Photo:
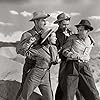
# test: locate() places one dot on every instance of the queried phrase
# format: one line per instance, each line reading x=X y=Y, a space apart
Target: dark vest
x=61 y=39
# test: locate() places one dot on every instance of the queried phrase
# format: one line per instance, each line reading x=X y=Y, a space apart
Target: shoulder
x=29 y=33
x=25 y=35
x=73 y=37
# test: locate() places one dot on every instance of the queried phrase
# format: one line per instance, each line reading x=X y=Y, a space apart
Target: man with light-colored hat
x=29 y=39
x=45 y=55
x=39 y=15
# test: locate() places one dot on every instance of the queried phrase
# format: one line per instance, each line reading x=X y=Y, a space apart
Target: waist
x=78 y=60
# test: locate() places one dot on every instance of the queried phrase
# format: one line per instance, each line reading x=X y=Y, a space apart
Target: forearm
x=70 y=55
x=25 y=44
x=84 y=58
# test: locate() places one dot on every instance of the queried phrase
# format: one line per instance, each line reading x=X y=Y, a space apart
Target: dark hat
x=39 y=15
x=61 y=17
x=85 y=23
x=47 y=33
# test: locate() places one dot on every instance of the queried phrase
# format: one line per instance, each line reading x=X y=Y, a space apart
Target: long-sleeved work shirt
x=78 y=49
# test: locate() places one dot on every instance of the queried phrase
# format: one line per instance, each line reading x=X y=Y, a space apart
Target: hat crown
x=63 y=16
x=85 y=22
x=39 y=13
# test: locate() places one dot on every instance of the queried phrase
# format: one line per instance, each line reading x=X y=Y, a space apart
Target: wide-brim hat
x=62 y=17
x=85 y=23
x=39 y=15
x=47 y=33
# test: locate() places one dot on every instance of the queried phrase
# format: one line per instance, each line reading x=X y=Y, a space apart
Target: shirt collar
x=38 y=30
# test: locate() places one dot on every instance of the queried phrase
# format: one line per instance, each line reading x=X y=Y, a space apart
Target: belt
x=80 y=61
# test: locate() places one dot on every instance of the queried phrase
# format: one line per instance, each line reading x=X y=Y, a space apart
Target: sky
x=15 y=14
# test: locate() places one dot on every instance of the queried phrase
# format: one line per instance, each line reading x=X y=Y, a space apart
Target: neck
x=38 y=29
x=82 y=37
x=47 y=46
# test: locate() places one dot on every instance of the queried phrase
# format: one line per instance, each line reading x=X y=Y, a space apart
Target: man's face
x=41 y=23
x=81 y=31
x=64 y=24
x=52 y=38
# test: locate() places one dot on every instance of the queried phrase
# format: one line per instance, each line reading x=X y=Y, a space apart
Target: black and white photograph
x=49 y=50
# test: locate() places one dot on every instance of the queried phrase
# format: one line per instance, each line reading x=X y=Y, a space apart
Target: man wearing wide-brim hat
x=77 y=74
x=39 y=15
x=61 y=17
x=45 y=55
x=86 y=24
x=31 y=38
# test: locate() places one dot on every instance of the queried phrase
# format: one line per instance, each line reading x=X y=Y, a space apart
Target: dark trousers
x=78 y=76
x=29 y=64
x=37 y=78
x=59 y=94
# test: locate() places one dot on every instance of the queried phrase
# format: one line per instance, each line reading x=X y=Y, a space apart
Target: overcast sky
x=15 y=14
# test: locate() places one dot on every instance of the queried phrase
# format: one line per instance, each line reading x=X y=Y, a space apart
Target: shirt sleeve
x=67 y=48
x=24 y=43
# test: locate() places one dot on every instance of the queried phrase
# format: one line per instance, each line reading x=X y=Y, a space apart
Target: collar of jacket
x=46 y=49
x=38 y=30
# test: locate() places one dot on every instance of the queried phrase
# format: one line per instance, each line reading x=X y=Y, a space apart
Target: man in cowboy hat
x=76 y=73
x=45 y=55
x=31 y=38
x=63 y=32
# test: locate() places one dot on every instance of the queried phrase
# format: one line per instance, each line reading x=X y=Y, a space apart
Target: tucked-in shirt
x=79 y=48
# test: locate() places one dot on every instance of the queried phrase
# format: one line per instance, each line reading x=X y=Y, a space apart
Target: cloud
x=94 y=17
x=13 y=12
x=97 y=30
x=48 y=24
x=56 y=13
x=74 y=14
x=13 y=1
x=25 y=13
x=6 y=24
x=11 y=38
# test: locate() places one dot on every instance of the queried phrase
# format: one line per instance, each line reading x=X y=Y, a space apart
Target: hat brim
x=90 y=27
x=49 y=32
x=56 y=22
x=44 y=17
